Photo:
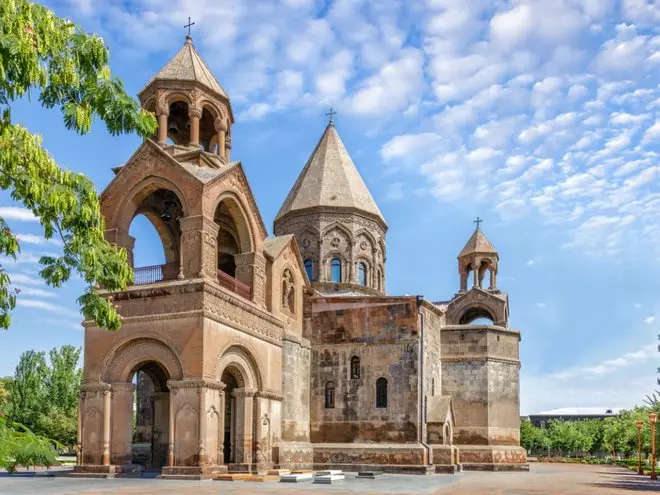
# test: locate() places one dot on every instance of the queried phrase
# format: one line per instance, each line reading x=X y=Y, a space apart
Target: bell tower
x=476 y=258
x=193 y=110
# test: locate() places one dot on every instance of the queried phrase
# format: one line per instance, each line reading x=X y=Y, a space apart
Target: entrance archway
x=150 y=418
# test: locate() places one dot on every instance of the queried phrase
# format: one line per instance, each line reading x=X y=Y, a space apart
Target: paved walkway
x=551 y=479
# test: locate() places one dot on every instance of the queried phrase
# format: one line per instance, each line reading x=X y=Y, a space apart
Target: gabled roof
x=187 y=65
x=330 y=179
x=478 y=243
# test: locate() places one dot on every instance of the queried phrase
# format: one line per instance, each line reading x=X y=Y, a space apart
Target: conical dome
x=330 y=179
x=477 y=244
x=187 y=65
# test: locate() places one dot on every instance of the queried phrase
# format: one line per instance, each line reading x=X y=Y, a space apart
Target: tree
x=28 y=389
x=44 y=398
x=50 y=56
x=60 y=420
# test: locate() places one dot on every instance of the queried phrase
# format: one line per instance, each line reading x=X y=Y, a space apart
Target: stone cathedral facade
x=250 y=352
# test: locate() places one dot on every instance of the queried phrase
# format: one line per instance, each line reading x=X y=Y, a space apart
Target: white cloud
x=395 y=86
x=38 y=240
x=45 y=306
x=20 y=279
x=17 y=213
x=649 y=319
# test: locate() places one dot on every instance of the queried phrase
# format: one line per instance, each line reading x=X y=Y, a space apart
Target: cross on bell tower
x=188 y=26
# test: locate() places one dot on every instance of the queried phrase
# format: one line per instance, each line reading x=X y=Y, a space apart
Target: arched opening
x=330 y=395
x=233 y=239
x=229 y=378
x=362 y=273
x=335 y=270
x=477 y=315
x=150 y=418
x=355 y=368
x=207 y=131
x=484 y=269
x=156 y=222
x=178 y=123
x=381 y=393
x=309 y=269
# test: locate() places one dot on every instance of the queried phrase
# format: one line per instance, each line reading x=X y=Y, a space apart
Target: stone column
x=79 y=433
x=220 y=125
x=244 y=422
x=199 y=246
x=159 y=436
x=228 y=146
x=170 y=434
x=251 y=270
x=162 y=128
x=493 y=279
x=201 y=459
x=476 y=276
x=122 y=423
x=464 y=280
x=194 y=114
x=221 y=428
x=107 y=396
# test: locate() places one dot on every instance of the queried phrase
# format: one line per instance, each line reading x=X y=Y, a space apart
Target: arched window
x=309 y=269
x=335 y=268
x=379 y=280
x=355 y=367
x=381 y=392
x=330 y=395
x=362 y=273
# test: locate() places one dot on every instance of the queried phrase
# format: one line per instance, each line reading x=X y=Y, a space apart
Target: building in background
x=571 y=414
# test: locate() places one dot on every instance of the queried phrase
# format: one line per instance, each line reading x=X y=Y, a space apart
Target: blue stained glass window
x=336 y=270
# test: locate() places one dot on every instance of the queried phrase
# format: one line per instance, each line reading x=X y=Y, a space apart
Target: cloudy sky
x=542 y=117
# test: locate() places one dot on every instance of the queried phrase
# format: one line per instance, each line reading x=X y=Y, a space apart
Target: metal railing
x=156 y=273
x=234 y=285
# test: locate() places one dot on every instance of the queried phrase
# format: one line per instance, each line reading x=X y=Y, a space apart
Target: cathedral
x=246 y=352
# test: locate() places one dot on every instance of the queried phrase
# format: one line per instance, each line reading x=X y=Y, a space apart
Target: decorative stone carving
x=288 y=291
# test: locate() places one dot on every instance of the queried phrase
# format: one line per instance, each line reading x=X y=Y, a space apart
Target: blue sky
x=542 y=117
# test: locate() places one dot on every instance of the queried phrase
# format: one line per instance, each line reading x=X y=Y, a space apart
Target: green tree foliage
x=5 y=395
x=28 y=389
x=615 y=435
x=20 y=447
x=44 y=397
x=43 y=54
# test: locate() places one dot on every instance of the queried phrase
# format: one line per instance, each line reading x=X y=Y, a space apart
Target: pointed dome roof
x=187 y=65
x=330 y=178
x=478 y=243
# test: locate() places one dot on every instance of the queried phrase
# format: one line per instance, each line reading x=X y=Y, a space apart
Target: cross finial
x=331 y=113
x=478 y=221
x=189 y=25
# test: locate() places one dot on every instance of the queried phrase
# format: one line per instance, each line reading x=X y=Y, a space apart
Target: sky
x=541 y=117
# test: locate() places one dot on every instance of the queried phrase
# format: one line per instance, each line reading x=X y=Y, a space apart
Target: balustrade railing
x=234 y=285
x=156 y=273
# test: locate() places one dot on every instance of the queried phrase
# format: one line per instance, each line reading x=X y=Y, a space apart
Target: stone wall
x=382 y=333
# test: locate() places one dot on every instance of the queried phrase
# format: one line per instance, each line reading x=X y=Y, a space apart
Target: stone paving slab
x=543 y=479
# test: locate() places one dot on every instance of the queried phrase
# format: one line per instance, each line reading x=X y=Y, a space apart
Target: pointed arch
x=338 y=226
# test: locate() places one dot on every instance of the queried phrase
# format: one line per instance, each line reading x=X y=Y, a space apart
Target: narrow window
x=378 y=280
x=336 y=270
x=330 y=395
x=362 y=273
x=308 y=269
x=381 y=392
x=355 y=367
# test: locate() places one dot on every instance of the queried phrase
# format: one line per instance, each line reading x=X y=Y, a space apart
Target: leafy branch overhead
x=69 y=69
